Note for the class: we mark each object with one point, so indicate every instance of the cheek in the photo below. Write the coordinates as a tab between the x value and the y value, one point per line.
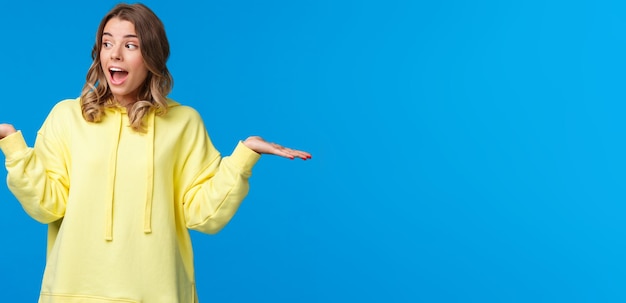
143	71
139	65
103	54
103	60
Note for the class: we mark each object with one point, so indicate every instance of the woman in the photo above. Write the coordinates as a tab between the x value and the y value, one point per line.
121	173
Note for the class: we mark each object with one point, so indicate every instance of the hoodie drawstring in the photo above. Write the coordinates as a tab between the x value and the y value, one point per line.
115	139
147	225
113	160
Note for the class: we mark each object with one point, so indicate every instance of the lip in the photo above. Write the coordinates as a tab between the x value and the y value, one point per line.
112	79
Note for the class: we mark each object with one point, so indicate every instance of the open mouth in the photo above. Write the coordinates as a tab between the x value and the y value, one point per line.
118	75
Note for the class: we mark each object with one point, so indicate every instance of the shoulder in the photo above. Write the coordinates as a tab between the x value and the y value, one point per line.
177	112
66	110
66	107
183	121
63	117
68	104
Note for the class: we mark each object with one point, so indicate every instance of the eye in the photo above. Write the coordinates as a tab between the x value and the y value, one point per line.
106	44
132	46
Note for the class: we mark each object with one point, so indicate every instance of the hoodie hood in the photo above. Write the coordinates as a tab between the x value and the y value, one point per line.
119	115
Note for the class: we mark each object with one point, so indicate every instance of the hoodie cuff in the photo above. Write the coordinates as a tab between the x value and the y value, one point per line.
244	157
13	145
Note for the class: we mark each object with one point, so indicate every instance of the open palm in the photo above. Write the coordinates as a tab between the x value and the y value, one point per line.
261	146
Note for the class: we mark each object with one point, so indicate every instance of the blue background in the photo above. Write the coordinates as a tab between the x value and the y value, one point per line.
463	151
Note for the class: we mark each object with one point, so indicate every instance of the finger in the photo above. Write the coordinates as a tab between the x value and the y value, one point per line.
297	153
289	152
284	154
305	154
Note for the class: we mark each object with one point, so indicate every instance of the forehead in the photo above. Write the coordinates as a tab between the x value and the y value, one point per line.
118	27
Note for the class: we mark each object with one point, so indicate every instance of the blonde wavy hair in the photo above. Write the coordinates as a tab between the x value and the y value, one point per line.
155	50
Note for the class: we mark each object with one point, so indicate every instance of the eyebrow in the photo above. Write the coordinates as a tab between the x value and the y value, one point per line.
127	36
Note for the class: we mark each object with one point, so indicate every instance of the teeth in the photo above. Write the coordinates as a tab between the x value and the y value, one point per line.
115	69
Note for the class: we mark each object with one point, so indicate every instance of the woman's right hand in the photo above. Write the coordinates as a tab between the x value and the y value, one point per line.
6	129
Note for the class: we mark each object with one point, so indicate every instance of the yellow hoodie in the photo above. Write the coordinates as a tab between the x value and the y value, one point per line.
119	203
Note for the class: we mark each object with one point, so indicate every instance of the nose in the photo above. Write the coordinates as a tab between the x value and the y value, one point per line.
116	53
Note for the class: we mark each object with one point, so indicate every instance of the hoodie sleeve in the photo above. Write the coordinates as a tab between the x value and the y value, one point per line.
37	176
218	189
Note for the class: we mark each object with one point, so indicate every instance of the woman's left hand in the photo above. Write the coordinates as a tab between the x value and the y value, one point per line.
261	146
